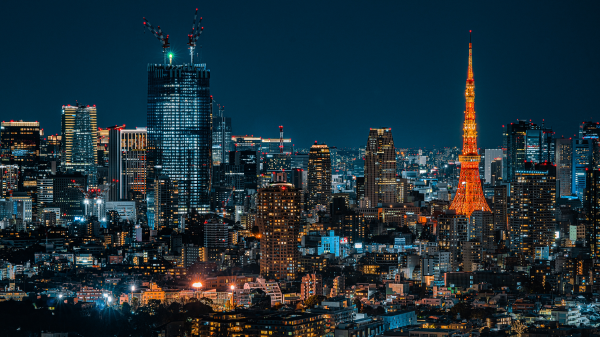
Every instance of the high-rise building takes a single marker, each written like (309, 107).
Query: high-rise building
(127, 164)
(592, 210)
(526, 141)
(251, 166)
(20, 143)
(221, 137)
(319, 176)
(472, 255)
(531, 212)
(582, 157)
(166, 202)
(380, 168)
(79, 141)
(278, 218)
(496, 171)
(482, 229)
(452, 231)
(491, 155)
(180, 131)
(563, 160)
(68, 196)
(499, 207)
(469, 195)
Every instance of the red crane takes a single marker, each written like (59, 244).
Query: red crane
(194, 35)
(159, 35)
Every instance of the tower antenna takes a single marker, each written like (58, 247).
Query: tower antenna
(159, 35)
(194, 35)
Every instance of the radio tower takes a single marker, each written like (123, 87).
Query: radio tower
(469, 196)
(281, 139)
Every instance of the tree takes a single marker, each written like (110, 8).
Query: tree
(518, 327)
(135, 303)
(314, 300)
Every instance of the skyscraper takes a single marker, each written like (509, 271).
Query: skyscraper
(582, 156)
(278, 219)
(221, 137)
(166, 195)
(531, 213)
(469, 195)
(127, 164)
(380, 167)
(563, 161)
(592, 207)
(79, 140)
(319, 176)
(180, 131)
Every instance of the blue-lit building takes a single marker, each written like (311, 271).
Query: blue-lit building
(582, 161)
(180, 131)
(330, 245)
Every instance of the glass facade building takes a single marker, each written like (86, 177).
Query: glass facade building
(79, 140)
(180, 131)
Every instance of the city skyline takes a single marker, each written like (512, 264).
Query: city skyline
(518, 67)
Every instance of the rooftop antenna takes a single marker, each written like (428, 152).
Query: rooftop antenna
(281, 139)
(159, 35)
(194, 35)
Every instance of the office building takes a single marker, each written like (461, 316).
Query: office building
(278, 218)
(127, 164)
(180, 131)
(68, 194)
(482, 229)
(221, 137)
(472, 255)
(79, 141)
(319, 176)
(20, 143)
(492, 156)
(243, 143)
(582, 156)
(592, 208)
(563, 160)
(452, 231)
(531, 212)
(249, 160)
(166, 202)
(380, 168)
(499, 207)
(526, 142)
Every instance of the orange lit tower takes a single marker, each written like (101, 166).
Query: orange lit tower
(469, 196)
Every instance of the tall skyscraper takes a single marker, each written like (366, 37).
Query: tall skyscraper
(592, 208)
(482, 229)
(380, 167)
(469, 195)
(278, 218)
(319, 176)
(180, 131)
(452, 231)
(531, 213)
(127, 164)
(582, 157)
(221, 137)
(563, 161)
(79, 140)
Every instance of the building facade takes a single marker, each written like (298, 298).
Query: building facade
(319, 176)
(180, 131)
(380, 167)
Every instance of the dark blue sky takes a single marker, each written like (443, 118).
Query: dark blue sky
(326, 70)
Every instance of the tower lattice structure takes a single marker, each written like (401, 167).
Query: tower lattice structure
(469, 196)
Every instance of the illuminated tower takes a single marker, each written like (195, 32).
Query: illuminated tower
(469, 196)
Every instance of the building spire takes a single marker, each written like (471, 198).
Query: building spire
(470, 72)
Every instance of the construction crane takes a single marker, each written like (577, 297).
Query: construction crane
(194, 35)
(159, 35)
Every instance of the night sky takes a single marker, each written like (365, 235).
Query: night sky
(325, 70)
